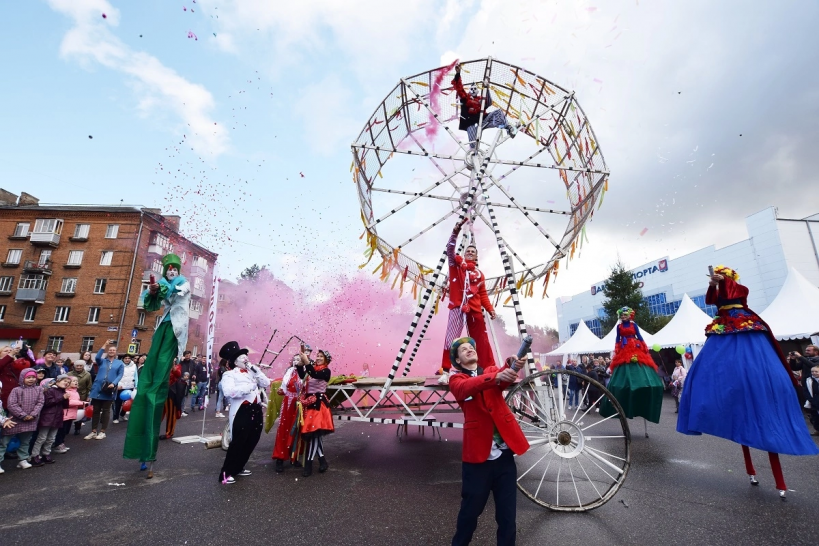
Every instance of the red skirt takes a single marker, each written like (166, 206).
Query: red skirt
(318, 421)
(635, 351)
(284, 441)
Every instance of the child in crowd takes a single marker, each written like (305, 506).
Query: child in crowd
(69, 414)
(186, 380)
(24, 405)
(5, 421)
(51, 420)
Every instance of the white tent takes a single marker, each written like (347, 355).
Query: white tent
(792, 314)
(606, 344)
(686, 328)
(581, 342)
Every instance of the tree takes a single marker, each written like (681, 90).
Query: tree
(255, 273)
(622, 290)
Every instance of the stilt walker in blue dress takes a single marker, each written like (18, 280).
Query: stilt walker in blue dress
(740, 387)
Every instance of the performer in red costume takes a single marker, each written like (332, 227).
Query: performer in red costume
(740, 387)
(471, 111)
(491, 437)
(290, 389)
(467, 299)
(634, 381)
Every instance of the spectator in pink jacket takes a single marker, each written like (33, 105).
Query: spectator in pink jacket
(24, 405)
(69, 413)
(51, 420)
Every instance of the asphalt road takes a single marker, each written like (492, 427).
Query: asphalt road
(680, 490)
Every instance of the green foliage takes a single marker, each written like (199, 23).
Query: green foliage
(254, 273)
(622, 290)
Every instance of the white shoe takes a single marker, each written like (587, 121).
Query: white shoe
(184, 414)
(219, 414)
(245, 473)
(228, 480)
(512, 130)
(116, 421)
(61, 449)
(23, 465)
(2, 471)
(100, 436)
(126, 415)
(91, 436)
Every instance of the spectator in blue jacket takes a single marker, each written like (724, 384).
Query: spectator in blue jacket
(104, 389)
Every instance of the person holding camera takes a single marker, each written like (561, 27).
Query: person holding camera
(104, 389)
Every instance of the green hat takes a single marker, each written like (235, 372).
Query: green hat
(453, 349)
(171, 259)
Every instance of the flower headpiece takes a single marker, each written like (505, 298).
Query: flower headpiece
(727, 272)
(326, 354)
(627, 310)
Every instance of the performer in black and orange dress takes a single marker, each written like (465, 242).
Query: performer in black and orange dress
(290, 389)
(634, 380)
(173, 403)
(317, 421)
(740, 387)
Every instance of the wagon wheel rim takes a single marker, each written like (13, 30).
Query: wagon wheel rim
(577, 460)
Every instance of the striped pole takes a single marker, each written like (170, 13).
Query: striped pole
(509, 272)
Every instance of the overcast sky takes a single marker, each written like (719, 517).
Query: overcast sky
(239, 114)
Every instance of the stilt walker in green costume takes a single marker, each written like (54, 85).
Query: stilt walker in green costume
(169, 341)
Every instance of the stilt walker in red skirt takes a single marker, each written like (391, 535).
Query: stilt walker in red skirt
(288, 416)
(316, 419)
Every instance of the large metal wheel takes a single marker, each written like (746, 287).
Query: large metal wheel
(577, 460)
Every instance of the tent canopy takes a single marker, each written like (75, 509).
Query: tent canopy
(686, 328)
(792, 314)
(581, 342)
(606, 344)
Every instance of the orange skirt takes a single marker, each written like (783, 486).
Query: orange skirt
(318, 421)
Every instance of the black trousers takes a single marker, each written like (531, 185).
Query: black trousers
(499, 477)
(247, 429)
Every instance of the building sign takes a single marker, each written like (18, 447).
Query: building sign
(113, 329)
(660, 267)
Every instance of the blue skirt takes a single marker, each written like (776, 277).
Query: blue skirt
(738, 389)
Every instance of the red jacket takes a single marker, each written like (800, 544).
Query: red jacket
(483, 412)
(479, 298)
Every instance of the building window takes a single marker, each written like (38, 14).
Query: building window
(141, 318)
(14, 255)
(6, 283)
(61, 314)
(75, 257)
(111, 232)
(81, 232)
(99, 286)
(198, 330)
(45, 257)
(55, 343)
(93, 315)
(221, 297)
(30, 314)
(21, 230)
(710, 310)
(195, 351)
(156, 267)
(87, 345)
(48, 225)
(2, 313)
(35, 282)
(106, 257)
(69, 285)
(199, 283)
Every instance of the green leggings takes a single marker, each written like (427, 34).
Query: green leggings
(142, 437)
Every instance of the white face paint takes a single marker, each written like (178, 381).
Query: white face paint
(242, 361)
(172, 273)
(473, 90)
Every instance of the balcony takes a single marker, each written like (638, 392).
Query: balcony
(198, 289)
(78, 239)
(36, 295)
(154, 248)
(34, 266)
(198, 271)
(45, 239)
(194, 313)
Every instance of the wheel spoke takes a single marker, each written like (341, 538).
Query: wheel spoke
(600, 421)
(601, 452)
(588, 478)
(592, 458)
(534, 465)
(579, 502)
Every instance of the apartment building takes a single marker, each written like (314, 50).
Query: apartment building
(71, 276)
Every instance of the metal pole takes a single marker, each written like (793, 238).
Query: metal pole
(261, 359)
(130, 278)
